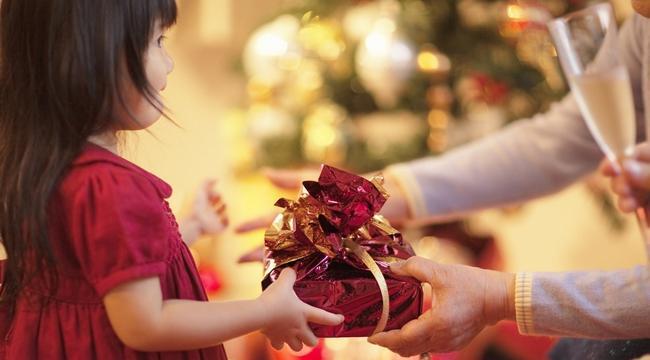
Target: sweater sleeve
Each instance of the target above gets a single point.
(594, 304)
(525, 160)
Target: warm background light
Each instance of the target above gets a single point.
(222, 113)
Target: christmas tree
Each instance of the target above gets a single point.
(362, 84)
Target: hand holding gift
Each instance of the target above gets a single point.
(288, 321)
(340, 250)
(466, 299)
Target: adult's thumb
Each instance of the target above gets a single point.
(416, 267)
(284, 179)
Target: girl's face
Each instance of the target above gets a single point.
(642, 7)
(158, 64)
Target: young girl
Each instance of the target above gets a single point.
(96, 267)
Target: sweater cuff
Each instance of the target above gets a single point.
(523, 302)
(406, 181)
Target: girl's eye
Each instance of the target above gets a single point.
(161, 40)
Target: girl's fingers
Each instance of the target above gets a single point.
(215, 198)
(286, 279)
(220, 208)
(320, 316)
(208, 184)
(307, 336)
(277, 344)
(295, 344)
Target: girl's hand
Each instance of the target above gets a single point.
(632, 186)
(465, 300)
(288, 317)
(209, 210)
(207, 216)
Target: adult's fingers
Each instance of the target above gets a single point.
(642, 151)
(418, 329)
(621, 187)
(417, 267)
(415, 349)
(287, 179)
(260, 222)
(627, 204)
(637, 173)
(389, 339)
(423, 335)
(415, 332)
(256, 255)
(608, 169)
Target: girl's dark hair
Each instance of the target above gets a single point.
(61, 62)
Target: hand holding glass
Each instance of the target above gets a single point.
(587, 45)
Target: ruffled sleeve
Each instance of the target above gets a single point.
(119, 230)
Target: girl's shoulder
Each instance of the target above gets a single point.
(99, 169)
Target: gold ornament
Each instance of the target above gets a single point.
(323, 137)
(431, 61)
(385, 58)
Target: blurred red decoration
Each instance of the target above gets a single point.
(489, 90)
(210, 278)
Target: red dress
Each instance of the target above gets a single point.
(109, 224)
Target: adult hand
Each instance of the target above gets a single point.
(289, 317)
(395, 210)
(631, 180)
(464, 300)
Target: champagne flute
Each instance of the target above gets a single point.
(587, 45)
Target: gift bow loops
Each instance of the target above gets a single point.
(336, 216)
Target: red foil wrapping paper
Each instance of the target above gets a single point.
(311, 236)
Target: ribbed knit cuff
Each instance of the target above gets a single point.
(523, 302)
(410, 188)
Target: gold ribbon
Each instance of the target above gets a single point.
(363, 255)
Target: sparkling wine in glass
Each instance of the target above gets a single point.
(587, 45)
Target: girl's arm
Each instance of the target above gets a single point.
(144, 321)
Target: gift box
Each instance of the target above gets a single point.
(341, 250)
